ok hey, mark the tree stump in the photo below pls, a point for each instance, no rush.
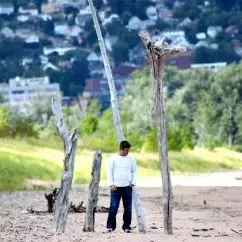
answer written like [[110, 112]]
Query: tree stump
[[93, 193]]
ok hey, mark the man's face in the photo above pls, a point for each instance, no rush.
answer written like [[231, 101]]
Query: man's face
[[124, 151]]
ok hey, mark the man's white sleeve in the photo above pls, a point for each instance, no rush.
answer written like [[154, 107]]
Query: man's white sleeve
[[133, 171], [110, 173]]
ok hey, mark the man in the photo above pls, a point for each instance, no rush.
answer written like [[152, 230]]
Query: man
[[121, 174]]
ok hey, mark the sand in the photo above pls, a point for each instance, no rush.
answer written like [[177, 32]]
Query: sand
[[210, 213]]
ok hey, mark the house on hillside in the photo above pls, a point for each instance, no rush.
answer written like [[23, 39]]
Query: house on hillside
[[30, 10], [213, 31], [7, 32], [60, 28], [6, 8]]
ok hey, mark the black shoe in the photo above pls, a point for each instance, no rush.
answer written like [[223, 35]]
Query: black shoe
[[110, 230], [127, 230]]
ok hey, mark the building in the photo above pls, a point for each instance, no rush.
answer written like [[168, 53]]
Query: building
[[6, 8], [210, 66], [21, 92]]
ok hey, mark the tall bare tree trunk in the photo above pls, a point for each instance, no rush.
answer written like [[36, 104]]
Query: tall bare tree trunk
[[157, 52], [113, 93], [93, 193], [70, 143], [115, 110]]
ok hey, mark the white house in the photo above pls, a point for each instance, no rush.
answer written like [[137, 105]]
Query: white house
[[134, 23], [60, 50], [32, 39], [60, 28], [201, 36], [213, 31], [29, 10], [151, 13], [7, 32], [6, 8], [23, 18]]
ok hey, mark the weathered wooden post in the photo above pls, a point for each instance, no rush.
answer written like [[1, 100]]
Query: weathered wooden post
[[158, 51], [115, 110], [93, 193], [70, 143]]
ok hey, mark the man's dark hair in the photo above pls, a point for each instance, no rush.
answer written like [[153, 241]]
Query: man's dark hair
[[124, 144]]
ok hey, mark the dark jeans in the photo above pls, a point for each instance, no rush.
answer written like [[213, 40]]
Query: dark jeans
[[126, 194]]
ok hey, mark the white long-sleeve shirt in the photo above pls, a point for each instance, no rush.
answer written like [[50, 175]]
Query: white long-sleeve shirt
[[121, 171]]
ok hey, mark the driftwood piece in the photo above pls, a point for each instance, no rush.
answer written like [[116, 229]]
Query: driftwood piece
[[51, 197], [73, 208], [93, 193], [115, 108], [70, 143], [158, 51]]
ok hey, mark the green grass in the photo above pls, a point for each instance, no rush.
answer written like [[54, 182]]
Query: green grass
[[26, 166]]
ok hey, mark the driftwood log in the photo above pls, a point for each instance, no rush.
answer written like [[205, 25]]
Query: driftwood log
[[69, 139], [93, 193], [115, 111], [158, 51], [51, 198]]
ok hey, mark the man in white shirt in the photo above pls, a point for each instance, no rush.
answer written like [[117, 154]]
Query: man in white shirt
[[121, 174]]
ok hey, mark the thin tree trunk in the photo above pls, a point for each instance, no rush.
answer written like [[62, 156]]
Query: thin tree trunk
[[113, 93], [93, 193], [70, 143], [163, 153], [157, 52], [115, 110]]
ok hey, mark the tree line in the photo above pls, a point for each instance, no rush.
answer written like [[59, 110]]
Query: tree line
[[202, 108]]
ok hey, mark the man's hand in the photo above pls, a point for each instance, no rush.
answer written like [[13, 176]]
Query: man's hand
[[113, 188]]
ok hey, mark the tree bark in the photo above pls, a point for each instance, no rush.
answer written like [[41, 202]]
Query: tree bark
[[157, 52], [93, 193], [113, 93], [115, 110], [163, 153], [70, 143]]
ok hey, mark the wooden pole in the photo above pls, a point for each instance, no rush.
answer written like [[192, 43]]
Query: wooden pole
[[70, 143], [93, 193], [115, 110], [158, 51], [113, 93]]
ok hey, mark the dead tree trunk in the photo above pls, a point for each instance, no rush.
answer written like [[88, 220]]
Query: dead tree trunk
[[157, 52], [93, 193], [113, 93], [115, 110], [70, 143]]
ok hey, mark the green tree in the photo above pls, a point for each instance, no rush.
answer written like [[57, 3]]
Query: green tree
[[4, 121], [226, 90]]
